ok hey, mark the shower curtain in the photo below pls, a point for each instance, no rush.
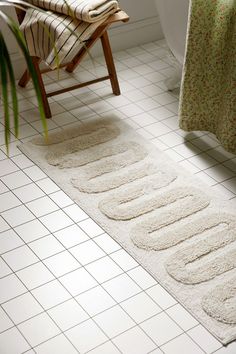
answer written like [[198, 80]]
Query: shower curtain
[[208, 90]]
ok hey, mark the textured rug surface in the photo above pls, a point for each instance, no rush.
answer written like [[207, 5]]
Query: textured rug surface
[[185, 237]]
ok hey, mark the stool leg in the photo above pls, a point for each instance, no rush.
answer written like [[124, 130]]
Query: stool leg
[[46, 106], [110, 63], [25, 78]]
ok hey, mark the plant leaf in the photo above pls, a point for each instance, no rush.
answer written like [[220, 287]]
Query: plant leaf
[[13, 85], [21, 42], [4, 82]]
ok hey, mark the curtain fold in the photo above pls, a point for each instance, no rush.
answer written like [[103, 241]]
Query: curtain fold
[[208, 90]]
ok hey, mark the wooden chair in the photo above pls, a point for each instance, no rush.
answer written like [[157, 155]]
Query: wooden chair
[[100, 33]]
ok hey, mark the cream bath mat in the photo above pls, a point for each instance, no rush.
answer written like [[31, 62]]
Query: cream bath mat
[[167, 220]]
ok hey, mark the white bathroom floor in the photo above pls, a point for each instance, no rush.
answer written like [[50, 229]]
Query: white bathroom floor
[[66, 286]]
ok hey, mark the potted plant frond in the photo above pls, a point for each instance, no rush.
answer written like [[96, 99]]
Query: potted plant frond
[[7, 77]]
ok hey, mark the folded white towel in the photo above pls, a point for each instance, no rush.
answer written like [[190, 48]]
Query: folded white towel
[[84, 10]]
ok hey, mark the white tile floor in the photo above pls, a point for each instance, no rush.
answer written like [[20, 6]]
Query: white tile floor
[[66, 286]]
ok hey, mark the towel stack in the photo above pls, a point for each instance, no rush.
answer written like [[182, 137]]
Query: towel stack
[[55, 34]]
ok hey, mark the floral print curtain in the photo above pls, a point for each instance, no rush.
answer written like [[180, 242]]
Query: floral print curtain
[[208, 90]]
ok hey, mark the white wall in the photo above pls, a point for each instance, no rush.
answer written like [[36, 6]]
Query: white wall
[[143, 27]]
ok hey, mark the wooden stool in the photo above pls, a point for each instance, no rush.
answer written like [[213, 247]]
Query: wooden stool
[[100, 33]]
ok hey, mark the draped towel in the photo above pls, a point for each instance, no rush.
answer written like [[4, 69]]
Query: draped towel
[[43, 29], [208, 92]]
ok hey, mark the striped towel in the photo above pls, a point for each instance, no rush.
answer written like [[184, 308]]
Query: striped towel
[[84, 10], [43, 29]]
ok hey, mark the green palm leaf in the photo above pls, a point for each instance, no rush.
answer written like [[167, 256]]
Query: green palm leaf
[[21, 42], [4, 86], [12, 84]]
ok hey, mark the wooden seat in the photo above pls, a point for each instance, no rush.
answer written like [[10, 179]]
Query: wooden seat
[[100, 33]]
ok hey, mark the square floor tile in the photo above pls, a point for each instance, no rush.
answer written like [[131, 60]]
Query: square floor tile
[[86, 336], [140, 307], [56, 220], [171, 139], [203, 161], [47, 185], [107, 243], [71, 236], [143, 119], [161, 328], [229, 349], [181, 345], [114, 321], [142, 278], [6, 167], [204, 339], [5, 321], [2, 155], [20, 257], [95, 300], [4, 269], [189, 167], [10, 287], [161, 113], [134, 341], [121, 287], [135, 95], [182, 317], [38, 329], [165, 98], [16, 180], [68, 314], [230, 184], [75, 213], [157, 129], [3, 188], [9, 240], [35, 275], [51, 294], [59, 344], [78, 281], [90, 227], [104, 269], [22, 308], [61, 199], [106, 348], [34, 173], [87, 252], [28, 193], [46, 246], [42, 206], [131, 110], [7, 201], [157, 351], [148, 104], [3, 225], [31, 230], [124, 260], [12, 342], [61, 263], [18, 215], [22, 161], [161, 296], [219, 173]]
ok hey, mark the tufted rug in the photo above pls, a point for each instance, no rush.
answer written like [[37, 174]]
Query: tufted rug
[[167, 220]]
